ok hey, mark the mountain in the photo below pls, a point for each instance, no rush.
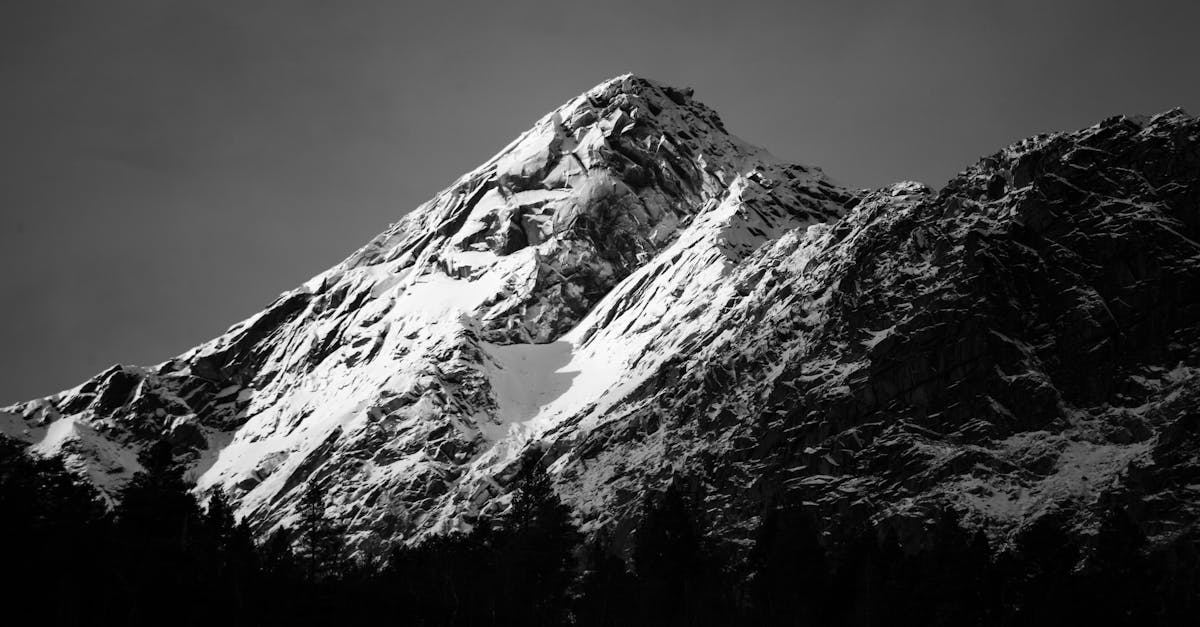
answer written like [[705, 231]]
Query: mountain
[[630, 297]]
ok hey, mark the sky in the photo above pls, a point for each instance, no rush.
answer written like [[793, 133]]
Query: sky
[[167, 168]]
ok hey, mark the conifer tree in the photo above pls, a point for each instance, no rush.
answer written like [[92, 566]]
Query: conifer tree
[[275, 554], [160, 535], [791, 572], [231, 554], [868, 578], [1176, 579], [536, 549], [1115, 572], [321, 541], [55, 531], [1045, 562], [605, 590], [156, 505], [947, 581], [680, 580]]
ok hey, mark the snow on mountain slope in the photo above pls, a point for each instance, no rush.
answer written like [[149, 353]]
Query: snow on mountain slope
[[408, 378], [1020, 344], [629, 295]]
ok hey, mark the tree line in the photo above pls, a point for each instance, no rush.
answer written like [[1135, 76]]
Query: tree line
[[160, 556]]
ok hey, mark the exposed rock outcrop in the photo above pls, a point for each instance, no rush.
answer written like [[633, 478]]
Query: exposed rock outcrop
[[637, 295]]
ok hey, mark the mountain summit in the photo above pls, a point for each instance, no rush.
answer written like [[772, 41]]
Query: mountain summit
[[629, 296]]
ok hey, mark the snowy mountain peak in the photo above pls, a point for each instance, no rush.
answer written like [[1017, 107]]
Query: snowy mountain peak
[[629, 295], [534, 292]]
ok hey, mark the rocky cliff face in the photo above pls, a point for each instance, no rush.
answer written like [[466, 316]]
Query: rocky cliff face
[[628, 294]]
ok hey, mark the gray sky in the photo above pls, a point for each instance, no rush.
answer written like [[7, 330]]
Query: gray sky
[[167, 168]]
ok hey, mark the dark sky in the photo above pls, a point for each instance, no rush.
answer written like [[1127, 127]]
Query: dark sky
[[167, 168]]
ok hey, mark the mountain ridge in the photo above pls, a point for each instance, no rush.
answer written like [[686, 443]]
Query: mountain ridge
[[629, 295]]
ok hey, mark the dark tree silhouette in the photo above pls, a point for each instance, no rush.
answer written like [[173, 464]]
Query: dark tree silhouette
[[605, 590], [1043, 569], [160, 558], [1115, 574], [790, 571], [680, 579], [321, 542], [159, 531], [949, 578], [536, 549], [229, 556], [56, 534]]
